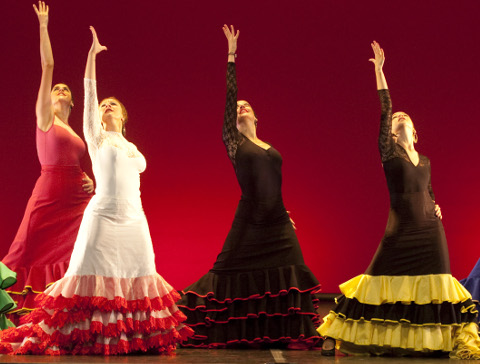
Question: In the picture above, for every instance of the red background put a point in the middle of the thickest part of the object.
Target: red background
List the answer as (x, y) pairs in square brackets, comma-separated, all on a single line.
[(304, 67)]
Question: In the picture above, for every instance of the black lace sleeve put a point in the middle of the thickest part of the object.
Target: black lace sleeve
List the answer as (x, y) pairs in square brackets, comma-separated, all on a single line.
[(231, 135), (386, 144)]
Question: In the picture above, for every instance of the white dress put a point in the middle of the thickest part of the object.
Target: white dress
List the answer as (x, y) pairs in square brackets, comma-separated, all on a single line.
[(111, 299)]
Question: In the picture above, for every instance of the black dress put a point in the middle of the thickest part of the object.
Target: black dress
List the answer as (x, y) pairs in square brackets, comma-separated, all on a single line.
[(407, 300), (259, 289)]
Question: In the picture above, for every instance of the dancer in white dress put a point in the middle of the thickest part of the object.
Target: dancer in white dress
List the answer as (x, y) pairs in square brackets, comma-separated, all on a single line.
[(111, 300)]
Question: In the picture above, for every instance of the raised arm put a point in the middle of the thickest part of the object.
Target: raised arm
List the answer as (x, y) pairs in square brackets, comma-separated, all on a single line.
[(386, 144), (92, 127), (231, 135), (44, 107)]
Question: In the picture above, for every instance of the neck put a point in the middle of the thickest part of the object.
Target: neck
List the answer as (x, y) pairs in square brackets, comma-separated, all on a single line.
[(250, 131), (111, 125), (62, 113), (408, 144)]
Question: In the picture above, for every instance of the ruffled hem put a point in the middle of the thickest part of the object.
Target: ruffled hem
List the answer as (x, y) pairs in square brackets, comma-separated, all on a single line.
[(99, 325), (370, 337), (33, 281), (109, 294), (422, 289), (302, 340), (445, 313), (243, 286), (40, 343), (272, 305)]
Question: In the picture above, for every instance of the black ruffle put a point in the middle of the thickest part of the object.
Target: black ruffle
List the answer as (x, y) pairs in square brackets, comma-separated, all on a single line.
[(445, 313), (271, 305)]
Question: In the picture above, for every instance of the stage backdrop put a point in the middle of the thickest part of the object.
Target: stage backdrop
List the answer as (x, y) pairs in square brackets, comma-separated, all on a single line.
[(304, 67)]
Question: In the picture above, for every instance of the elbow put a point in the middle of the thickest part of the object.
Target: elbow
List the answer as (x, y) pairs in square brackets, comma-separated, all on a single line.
[(47, 64)]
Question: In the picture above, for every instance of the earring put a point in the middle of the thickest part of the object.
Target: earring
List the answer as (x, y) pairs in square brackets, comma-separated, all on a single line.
[(415, 137)]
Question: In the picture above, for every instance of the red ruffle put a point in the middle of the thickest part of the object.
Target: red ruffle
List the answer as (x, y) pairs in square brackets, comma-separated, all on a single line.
[(84, 344), (119, 304), (79, 341)]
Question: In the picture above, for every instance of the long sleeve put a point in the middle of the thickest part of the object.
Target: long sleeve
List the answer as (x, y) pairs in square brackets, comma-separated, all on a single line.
[(386, 144), (231, 136), (92, 126)]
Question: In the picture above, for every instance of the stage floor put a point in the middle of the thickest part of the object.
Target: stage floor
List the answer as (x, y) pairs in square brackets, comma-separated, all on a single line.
[(227, 356)]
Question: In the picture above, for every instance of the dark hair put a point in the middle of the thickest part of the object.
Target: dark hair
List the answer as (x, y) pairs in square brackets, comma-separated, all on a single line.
[(124, 113)]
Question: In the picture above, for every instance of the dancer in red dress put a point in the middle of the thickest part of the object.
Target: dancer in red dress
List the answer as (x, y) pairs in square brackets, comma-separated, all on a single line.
[(42, 247)]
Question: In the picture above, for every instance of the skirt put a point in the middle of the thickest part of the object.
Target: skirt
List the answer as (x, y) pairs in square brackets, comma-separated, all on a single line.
[(44, 241)]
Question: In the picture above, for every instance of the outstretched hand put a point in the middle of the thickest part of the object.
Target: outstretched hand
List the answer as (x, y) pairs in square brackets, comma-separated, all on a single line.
[(231, 37), (379, 59), (42, 13), (96, 46)]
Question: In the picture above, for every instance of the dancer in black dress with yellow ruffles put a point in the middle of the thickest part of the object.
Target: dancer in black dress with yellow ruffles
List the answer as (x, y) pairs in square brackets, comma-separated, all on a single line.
[(407, 302), (259, 290)]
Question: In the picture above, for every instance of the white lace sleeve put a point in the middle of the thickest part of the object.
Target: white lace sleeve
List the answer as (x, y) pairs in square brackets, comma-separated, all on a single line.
[(92, 126)]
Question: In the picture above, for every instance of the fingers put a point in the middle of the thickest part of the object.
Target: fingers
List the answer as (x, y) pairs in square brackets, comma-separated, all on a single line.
[(36, 10)]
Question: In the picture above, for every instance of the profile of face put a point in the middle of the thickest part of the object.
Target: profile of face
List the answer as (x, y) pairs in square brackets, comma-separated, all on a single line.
[(245, 112), (61, 93), (111, 112), (402, 126)]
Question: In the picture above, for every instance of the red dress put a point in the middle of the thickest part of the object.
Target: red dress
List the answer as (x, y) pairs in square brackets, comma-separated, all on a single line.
[(42, 247)]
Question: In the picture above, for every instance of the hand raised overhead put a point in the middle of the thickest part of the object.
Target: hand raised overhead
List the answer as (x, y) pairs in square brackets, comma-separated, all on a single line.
[(96, 46), (231, 37), (42, 13), (379, 59)]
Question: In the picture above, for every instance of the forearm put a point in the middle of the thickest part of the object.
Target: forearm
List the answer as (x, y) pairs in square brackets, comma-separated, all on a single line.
[(381, 80), (90, 67), (46, 54)]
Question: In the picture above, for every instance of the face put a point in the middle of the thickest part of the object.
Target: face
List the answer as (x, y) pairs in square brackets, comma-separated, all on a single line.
[(61, 92), (245, 110), (402, 124), (110, 110)]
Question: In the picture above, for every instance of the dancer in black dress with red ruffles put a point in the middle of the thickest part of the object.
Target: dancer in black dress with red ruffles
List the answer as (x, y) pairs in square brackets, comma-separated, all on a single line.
[(407, 302), (259, 290)]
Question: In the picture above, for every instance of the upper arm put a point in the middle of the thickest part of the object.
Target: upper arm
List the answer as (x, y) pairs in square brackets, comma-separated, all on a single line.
[(44, 107), (386, 144)]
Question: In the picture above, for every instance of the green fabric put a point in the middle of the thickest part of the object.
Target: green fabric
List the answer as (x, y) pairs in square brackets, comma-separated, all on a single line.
[(5, 323), (7, 278)]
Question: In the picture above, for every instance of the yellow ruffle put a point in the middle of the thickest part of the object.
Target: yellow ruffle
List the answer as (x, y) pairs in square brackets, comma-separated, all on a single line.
[(423, 289), (371, 337)]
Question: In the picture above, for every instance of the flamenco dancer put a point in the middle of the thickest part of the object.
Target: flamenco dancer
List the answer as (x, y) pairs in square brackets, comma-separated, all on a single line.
[(111, 300), (259, 290), (407, 302), (44, 241), (472, 283)]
